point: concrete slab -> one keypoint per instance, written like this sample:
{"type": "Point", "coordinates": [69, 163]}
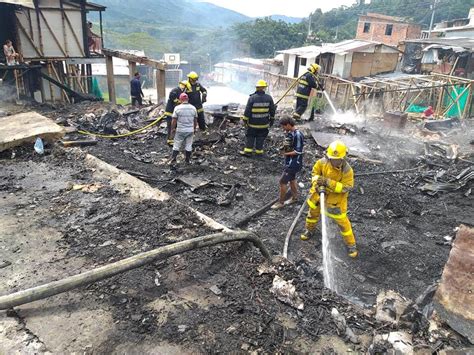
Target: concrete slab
{"type": "Point", "coordinates": [26, 127]}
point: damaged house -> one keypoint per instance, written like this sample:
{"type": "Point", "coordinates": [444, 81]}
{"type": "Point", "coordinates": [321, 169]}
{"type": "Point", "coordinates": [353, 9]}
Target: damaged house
{"type": "Point", "coordinates": [350, 59]}
{"type": "Point", "coordinates": [450, 56]}
{"type": "Point", "coordinates": [56, 44]}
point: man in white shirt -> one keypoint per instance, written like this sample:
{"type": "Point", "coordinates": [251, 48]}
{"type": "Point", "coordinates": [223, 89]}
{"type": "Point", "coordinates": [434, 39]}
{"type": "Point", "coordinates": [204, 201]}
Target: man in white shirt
{"type": "Point", "coordinates": [183, 125]}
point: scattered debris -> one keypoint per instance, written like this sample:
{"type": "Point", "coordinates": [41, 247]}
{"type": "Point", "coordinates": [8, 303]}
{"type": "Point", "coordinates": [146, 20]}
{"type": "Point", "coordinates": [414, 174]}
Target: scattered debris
{"type": "Point", "coordinates": [400, 342]}
{"type": "Point", "coordinates": [390, 306]}
{"type": "Point", "coordinates": [342, 327]}
{"type": "Point", "coordinates": [91, 188]}
{"type": "Point", "coordinates": [285, 291]}
{"type": "Point", "coordinates": [215, 290]}
{"type": "Point", "coordinates": [4, 264]}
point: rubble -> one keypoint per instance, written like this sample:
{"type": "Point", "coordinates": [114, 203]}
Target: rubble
{"type": "Point", "coordinates": [390, 307]}
{"type": "Point", "coordinates": [285, 291]}
{"type": "Point", "coordinates": [188, 300]}
{"type": "Point", "coordinates": [400, 342]}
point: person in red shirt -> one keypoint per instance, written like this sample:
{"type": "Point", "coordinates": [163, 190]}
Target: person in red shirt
{"type": "Point", "coordinates": [428, 113]}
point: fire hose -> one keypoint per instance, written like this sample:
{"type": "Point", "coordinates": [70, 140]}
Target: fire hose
{"type": "Point", "coordinates": [103, 272]}
{"type": "Point", "coordinates": [289, 89]}
{"type": "Point", "coordinates": [124, 134]}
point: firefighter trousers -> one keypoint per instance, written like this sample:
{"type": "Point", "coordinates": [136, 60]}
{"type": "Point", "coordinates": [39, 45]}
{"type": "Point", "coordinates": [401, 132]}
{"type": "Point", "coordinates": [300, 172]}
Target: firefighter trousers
{"type": "Point", "coordinates": [301, 106]}
{"type": "Point", "coordinates": [201, 119]}
{"type": "Point", "coordinates": [255, 137]}
{"type": "Point", "coordinates": [335, 213]}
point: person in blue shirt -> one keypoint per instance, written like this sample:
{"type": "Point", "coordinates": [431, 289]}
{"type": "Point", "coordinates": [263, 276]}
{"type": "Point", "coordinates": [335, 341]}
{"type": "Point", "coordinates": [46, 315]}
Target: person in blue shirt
{"type": "Point", "coordinates": [136, 90]}
{"type": "Point", "coordinates": [293, 153]}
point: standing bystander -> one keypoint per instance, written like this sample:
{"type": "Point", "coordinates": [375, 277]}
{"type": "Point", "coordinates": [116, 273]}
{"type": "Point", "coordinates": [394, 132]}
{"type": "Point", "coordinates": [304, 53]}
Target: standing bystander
{"type": "Point", "coordinates": [136, 90]}
{"type": "Point", "coordinates": [183, 127]}
{"type": "Point", "coordinates": [293, 153]}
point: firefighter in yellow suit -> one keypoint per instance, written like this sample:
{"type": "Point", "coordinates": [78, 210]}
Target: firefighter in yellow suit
{"type": "Point", "coordinates": [333, 174]}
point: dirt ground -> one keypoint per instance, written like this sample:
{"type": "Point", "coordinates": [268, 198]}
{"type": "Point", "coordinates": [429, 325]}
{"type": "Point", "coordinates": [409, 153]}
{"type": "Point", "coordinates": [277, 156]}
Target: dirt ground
{"type": "Point", "coordinates": [215, 299]}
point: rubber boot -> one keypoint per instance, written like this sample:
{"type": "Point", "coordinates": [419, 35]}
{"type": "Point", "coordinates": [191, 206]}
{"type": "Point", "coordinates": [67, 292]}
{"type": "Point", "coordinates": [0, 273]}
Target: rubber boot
{"type": "Point", "coordinates": [174, 155]}
{"type": "Point", "coordinates": [352, 251]}
{"type": "Point", "coordinates": [188, 157]}
{"type": "Point", "coordinates": [307, 234]}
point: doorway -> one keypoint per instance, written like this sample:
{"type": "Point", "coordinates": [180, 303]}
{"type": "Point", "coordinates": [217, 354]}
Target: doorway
{"type": "Point", "coordinates": [7, 28]}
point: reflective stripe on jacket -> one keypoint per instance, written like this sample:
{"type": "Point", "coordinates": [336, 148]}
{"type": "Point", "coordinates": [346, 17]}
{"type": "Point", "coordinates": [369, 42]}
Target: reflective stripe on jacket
{"type": "Point", "coordinates": [173, 100]}
{"type": "Point", "coordinates": [195, 93]}
{"type": "Point", "coordinates": [305, 84]}
{"type": "Point", "coordinates": [260, 110]}
{"type": "Point", "coordinates": [341, 181]}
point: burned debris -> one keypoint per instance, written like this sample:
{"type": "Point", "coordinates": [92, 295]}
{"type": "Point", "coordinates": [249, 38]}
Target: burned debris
{"type": "Point", "coordinates": [118, 245]}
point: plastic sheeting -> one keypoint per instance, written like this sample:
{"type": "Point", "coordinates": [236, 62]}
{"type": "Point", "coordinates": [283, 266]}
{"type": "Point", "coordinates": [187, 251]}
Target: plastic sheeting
{"type": "Point", "coordinates": [458, 108]}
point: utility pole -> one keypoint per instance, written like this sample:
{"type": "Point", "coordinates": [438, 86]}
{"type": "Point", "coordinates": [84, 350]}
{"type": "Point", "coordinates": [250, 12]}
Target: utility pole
{"type": "Point", "coordinates": [433, 7]}
{"type": "Point", "coordinates": [309, 26]}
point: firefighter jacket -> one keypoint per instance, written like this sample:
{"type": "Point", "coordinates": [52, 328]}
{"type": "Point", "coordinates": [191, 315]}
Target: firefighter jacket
{"type": "Point", "coordinates": [260, 110]}
{"type": "Point", "coordinates": [173, 100]}
{"type": "Point", "coordinates": [197, 94]}
{"type": "Point", "coordinates": [307, 82]}
{"type": "Point", "coordinates": [340, 182]}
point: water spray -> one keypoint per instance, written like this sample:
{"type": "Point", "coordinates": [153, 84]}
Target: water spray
{"type": "Point", "coordinates": [330, 102]}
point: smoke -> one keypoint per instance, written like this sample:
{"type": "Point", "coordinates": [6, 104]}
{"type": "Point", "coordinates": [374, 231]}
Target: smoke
{"type": "Point", "coordinates": [7, 92]}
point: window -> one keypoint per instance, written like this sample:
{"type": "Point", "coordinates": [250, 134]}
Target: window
{"type": "Point", "coordinates": [303, 61]}
{"type": "Point", "coordinates": [388, 30]}
{"type": "Point", "coordinates": [366, 27]}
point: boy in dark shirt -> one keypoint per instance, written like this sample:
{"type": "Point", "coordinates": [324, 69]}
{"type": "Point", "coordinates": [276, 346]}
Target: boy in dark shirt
{"type": "Point", "coordinates": [293, 153]}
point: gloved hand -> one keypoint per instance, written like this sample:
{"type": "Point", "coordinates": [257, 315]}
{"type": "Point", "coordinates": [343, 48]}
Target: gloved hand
{"type": "Point", "coordinates": [322, 181]}
{"type": "Point", "coordinates": [320, 86]}
{"type": "Point", "coordinates": [204, 99]}
{"type": "Point", "coordinates": [272, 121]}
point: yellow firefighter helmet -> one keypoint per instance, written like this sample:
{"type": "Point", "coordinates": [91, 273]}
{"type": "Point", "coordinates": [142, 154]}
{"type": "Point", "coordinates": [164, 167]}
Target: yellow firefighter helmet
{"type": "Point", "coordinates": [193, 75]}
{"type": "Point", "coordinates": [314, 68]}
{"type": "Point", "coordinates": [261, 84]}
{"type": "Point", "coordinates": [336, 150]}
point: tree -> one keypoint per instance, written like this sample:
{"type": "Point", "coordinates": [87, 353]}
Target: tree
{"type": "Point", "coordinates": [266, 36]}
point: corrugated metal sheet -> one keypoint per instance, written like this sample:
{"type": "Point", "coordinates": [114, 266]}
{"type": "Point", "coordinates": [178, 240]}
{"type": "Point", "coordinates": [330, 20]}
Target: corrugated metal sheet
{"type": "Point", "coordinates": [341, 48]}
{"type": "Point", "coordinates": [464, 42]}
{"type": "Point", "coordinates": [301, 50]}
{"type": "Point", "coordinates": [25, 3]}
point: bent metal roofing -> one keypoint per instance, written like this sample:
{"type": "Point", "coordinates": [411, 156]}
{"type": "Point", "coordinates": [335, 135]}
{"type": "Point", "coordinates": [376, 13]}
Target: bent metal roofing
{"type": "Point", "coordinates": [341, 48]}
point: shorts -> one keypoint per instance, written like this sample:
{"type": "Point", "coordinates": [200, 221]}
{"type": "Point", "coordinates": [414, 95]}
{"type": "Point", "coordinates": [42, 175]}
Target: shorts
{"type": "Point", "coordinates": [289, 174]}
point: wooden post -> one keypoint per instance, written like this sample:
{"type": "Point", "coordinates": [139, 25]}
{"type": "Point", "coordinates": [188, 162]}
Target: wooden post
{"type": "Point", "coordinates": [51, 93]}
{"type": "Point", "coordinates": [132, 68]}
{"type": "Point", "coordinates": [160, 86]}
{"type": "Point", "coordinates": [110, 79]}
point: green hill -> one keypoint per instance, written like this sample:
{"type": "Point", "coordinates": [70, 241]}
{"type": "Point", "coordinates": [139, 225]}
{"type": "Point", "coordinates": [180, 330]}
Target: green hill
{"type": "Point", "coordinates": [176, 13]}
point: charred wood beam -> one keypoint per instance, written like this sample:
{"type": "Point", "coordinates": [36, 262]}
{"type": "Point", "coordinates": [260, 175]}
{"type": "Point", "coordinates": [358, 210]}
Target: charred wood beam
{"type": "Point", "coordinates": [74, 94]}
{"type": "Point", "coordinates": [135, 58]}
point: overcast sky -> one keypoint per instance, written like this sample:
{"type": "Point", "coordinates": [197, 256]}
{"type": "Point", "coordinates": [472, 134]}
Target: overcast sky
{"type": "Point", "coordinates": [295, 8]}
